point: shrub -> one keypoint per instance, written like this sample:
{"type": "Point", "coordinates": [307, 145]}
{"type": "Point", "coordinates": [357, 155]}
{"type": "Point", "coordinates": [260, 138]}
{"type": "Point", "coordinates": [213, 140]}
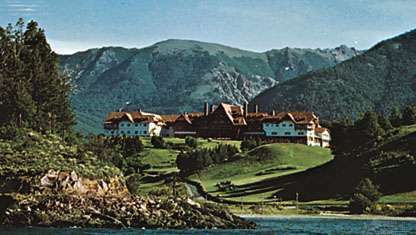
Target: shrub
{"type": "Point", "coordinates": [158, 142]}
{"type": "Point", "coordinates": [132, 146]}
{"type": "Point", "coordinates": [364, 198]}
{"type": "Point", "coordinates": [409, 115]}
{"type": "Point", "coordinates": [191, 141]}
{"type": "Point", "coordinates": [198, 159]}
{"type": "Point", "coordinates": [248, 144]}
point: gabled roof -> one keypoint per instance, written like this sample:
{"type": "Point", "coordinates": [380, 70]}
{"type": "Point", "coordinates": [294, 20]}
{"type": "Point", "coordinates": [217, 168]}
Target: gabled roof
{"type": "Point", "coordinates": [321, 129]}
{"type": "Point", "coordinates": [169, 117]}
{"type": "Point", "coordinates": [296, 117]}
{"type": "Point", "coordinates": [184, 117]}
{"type": "Point", "coordinates": [234, 113]}
{"type": "Point", "coordinates": [136, 116]}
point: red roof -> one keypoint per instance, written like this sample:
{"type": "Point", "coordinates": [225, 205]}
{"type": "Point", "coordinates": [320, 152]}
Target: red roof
{"type": "Point", "coordinates": [132, 117]}
{"type": "Point", "coordinates": [296, 117]}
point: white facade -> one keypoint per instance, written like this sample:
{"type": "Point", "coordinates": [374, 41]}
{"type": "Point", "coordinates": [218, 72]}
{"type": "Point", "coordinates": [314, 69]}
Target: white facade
{"type": "Point", "coordinates": [325, 137]}
{"type": "Point", "coordinates": [284, 129]}
{"type": "Point", "coordinates": [126, 128]}
{"type": "Point", "coordinates": [287, 129]}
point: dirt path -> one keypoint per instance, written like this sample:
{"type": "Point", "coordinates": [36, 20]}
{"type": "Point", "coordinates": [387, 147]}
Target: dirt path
{"type": "Point", "coordinates": [193, 192]}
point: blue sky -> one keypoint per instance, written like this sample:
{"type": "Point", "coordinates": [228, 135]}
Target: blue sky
{"type": "Point", "coordinates": [259, 25]}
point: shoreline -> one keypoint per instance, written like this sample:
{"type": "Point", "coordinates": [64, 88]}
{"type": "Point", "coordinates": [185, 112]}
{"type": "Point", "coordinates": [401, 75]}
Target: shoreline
{"type": "Point", "coordinates": [329, 216]}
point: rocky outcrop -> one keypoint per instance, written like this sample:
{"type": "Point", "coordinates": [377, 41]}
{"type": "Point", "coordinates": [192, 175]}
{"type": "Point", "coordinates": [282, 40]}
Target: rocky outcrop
{"type": "Point", "coordinates": [71, 183]}
{"type": "Point", "coordinates": [63, 199]}
{"type": "Point", "coordinates": [129, 211]}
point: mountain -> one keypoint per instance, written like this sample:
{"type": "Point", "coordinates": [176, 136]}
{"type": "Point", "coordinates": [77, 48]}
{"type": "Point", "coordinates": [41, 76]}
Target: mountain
{"type": "Point", "coordinates": [175, 76]}
{"type": "Point", "coordinates": [380, 79]}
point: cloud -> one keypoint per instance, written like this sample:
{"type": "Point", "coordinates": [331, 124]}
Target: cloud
{"type": "Point", "coordinates": [14, 7]}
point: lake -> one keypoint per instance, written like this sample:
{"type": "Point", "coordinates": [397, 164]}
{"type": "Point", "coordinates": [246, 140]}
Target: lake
{"type": "Point", "coordinates": [266, 225]}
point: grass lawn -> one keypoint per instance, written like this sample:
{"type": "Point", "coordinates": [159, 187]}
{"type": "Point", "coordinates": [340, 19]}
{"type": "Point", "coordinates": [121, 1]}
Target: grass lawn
{"type": "Point", "coordinates": [147, 185]}
{"type": "Point", "coordinates": [409, 197]}
{"type": "Point", "coordinates": [160, 159]}
{"type": "Point", "coordinates": [164, 160]}
{"type": "Point", "coordinates": [264, 162]}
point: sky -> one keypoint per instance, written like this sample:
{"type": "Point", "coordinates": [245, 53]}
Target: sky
{"type": "Point", "coordinates": [258, 25]}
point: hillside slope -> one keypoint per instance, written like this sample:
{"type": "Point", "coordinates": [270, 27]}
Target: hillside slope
{"type": "Point", "coordinates": [260, 164]}
{"type": "Point", "coordinates": [379, 79]}
{"type": "Point", "coordinates": [391, 163]}
{"type": "Point", "coordinates": [180, 75]}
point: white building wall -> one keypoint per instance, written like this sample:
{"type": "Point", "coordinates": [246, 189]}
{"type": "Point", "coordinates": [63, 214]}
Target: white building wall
{"type": "Point", "coordinates": [287, 129]}
{"type": "Point", "coordinates": [126, 128]}
{"type": "Point", "coordinates": [283, 129]}
{"type": "Point", "coordinates": [326, 138]}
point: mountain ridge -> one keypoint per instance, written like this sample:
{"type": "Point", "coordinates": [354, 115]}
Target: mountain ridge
{"type": "Point", "coordinates": [381, 79]}
{"type": "Point", "coordinates": [174, 76]}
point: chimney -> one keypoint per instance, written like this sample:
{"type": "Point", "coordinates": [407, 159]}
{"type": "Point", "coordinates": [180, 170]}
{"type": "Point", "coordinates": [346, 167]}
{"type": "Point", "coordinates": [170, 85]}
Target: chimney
{"type": "Point", "coordinates": [246, 109]}
{"type": "Point", "coordinates": [256, 108]}
{"type": "Point", "coordinates": [273, 113]}
{"type": "Point", "coordinates": [206, 109]}
{"type": "Point", "coordinates": [212, 108]}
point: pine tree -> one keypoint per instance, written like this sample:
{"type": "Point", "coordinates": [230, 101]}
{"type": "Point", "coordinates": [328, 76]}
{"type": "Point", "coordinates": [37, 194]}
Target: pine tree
{"type": "Point", "coordinates": [32, 91]}
{"type": "Point", "coordinates": [409, 115]}
{"type": "Point", "coordinates": [396, 117]}
{"type": "Point", "coordinates": [369, 126]}
{"type": "Point", "coordinates": [384, 122]}
{"type": "Point", "coordinates": [365, 197]}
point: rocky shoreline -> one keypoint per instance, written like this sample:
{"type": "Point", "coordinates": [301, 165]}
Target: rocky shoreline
{"type": "Point", "coordinates": [62, 199]}
{"type": "Point", "coordinates": [120, 212]}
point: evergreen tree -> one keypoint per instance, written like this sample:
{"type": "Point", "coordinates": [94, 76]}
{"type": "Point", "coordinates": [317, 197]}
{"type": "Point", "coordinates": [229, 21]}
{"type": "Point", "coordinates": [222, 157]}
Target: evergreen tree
{"type": "Point", "coordinates": [32, 91]}
{"type": "Point", "coordinates": [384, 122]}
{"type": "Point", "coordinates": [369, 127]}
{"type": "Point", "coordinates": [396, 117]}
{"type": "Point", "coordinates": [409, 115]}
{"type": "Point", "coordinates": [365, 197]}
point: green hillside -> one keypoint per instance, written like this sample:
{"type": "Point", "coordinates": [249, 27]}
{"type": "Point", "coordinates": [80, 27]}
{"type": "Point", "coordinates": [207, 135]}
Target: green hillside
{"type": "Point", "coordinates": [380, 79]}
{"type": "Point", "coordinates": [391, 163]}
{"type": "Point", "coordinates": [262, 163]}
{"type": "Point", "coordinates": [175, 76]}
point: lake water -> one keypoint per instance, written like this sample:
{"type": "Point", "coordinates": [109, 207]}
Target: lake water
{"type": "Point", "coordinates": [275, 225]}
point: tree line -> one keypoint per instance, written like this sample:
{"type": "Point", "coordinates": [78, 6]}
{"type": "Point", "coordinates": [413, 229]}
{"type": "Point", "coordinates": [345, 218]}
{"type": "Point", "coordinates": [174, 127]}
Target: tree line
{"type": "Point", "coordinates": [198, 159]}
{"type": "Point", "coordinates": [33, 92]}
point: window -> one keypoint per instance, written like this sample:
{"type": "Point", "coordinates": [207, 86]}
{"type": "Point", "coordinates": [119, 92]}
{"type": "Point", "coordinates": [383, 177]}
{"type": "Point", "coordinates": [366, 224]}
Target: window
{"type": "Point", "coordinates": [112, 132]}
{"type": "Point", "coordinates": [283, 125]}
{"type": "Point", "coordinates": [136, 132]}
{"type": "Point", "coordinates": [274, 133]}
{"type": "Point", "coordinates": [144, 132]}
{"type": "Point", "coordinates": [122, 124]}
{"type": "Point", "coordinates": [122, 132]}
{"type": "Point", "coordinates": [128, 132]}
{"type": "Point", "coordinates": [287, 133]}
{"type": "Point", "coordinates": [290, 124]}
{"type": "Point", "coordinates": [128, 124]}
{"type": "Point", "coordinates": [266, 124]}
{"type": "Point", "coordinates": [301, 133]}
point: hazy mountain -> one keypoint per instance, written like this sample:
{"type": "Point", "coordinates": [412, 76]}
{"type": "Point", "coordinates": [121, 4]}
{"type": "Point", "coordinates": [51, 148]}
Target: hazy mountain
{"type": "Point", "coordinates": [180, 75]}
{"type": "Point", "coordinates": [379, 79]}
